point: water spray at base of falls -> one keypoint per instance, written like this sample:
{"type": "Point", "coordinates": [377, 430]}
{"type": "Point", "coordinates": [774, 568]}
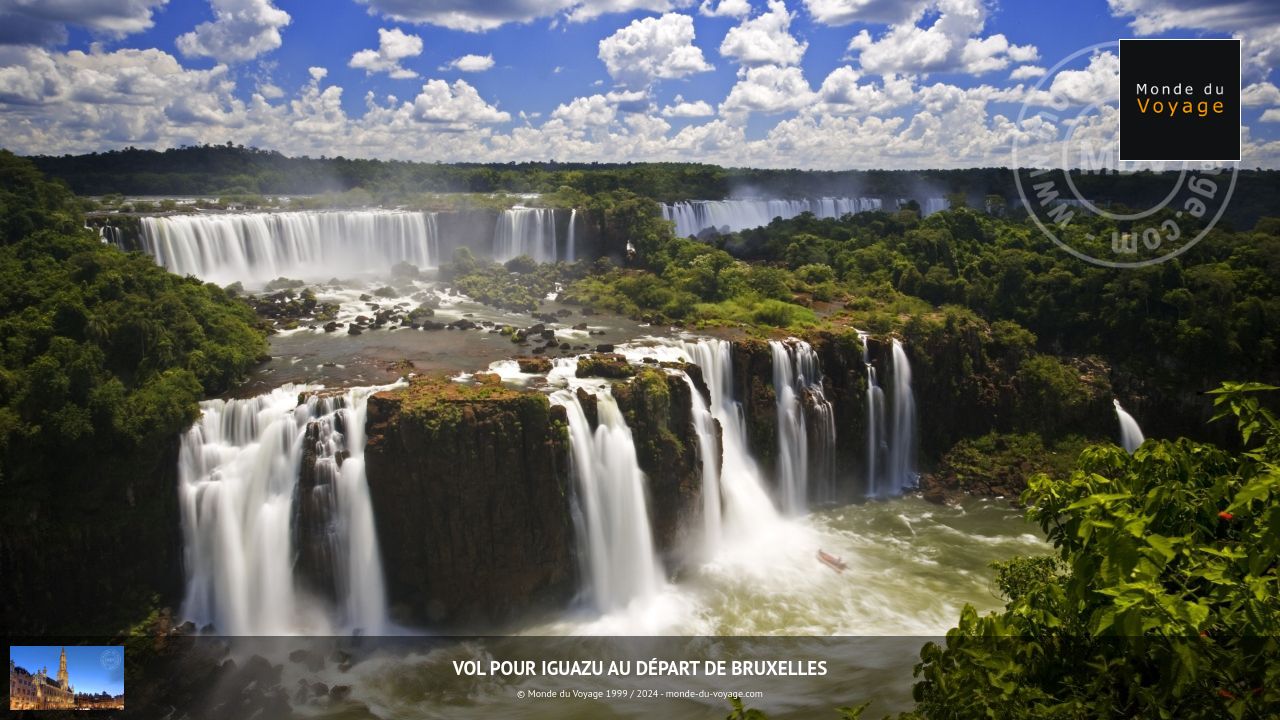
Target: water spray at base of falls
{"type": "Point", "coordinates": [616, 536]}
{"type": "Point", "coordinates": [240, 497]}
{"type": "Point", "coordinates": [1131, 436]}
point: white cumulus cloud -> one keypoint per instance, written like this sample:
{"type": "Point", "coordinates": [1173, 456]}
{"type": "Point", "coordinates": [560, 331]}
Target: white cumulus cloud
{"type": "Point", "coordinates": [767, 89]}
{"type": "Point", "coordinates": [470, 63]}
{"type": "Point", "coordinates": [651, 49]}
{"type": "Point", "coordinates": [725, 8]}
{"type": "Point", "coordinates": [458, 105]}
{"type": "Point", "coordinates": [394, 45]}
{"type": "Point", "coordinates": [482, 15]}
{"type": "Point", "coordinates": [1256, 22]}
{"type": "Point", "coordinates": [24, 22]}
{"type": "Point", "coordinates": [682, 108]}
{"type": "Point", "coordinates": [1257, 94]}
{"type": "Point", "coordinates": [952, 43]}
{"type": "Point", "coordinates": [844, 12]}
{"type": "Point", "coordinates": [241, 30]}
{"type": "Point", "coordinates": [765, 39]}
{"type": "Point", "coordinates": [1026, 72]}
{"type": "Point", "coordinates": [595, 110]}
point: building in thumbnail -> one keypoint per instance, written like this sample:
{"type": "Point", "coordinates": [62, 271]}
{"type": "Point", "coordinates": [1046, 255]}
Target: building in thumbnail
{"type": "Point", "coordinates": [39, 691]}
{"type": "Point", "coordinates": [99, 701]}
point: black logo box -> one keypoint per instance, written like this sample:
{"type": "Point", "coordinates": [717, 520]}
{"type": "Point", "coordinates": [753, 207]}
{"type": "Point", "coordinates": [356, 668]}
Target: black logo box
{"type": "Point", "coordinates": [1180, 64]}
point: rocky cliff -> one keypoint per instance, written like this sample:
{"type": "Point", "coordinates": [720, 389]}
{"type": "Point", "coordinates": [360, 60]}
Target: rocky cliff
{"type": "Point", "coordinates": [753, 387]}
{"type": "Point", "coordinates": [470, 488]}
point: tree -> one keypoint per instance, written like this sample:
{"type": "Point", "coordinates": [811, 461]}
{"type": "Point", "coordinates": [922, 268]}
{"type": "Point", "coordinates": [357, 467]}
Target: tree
{"type": "Point", "coordinates": [1162, 601]}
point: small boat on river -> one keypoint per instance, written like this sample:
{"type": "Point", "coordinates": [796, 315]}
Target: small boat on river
{"type": "Point", "coordinates": [832, 561]}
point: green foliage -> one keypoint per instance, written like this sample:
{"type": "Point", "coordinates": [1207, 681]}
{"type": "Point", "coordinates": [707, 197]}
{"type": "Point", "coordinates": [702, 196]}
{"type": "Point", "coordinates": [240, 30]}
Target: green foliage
{"type": "Point", "coordinates": [29, 203]}
{"type": "Point", "coordinates": [1211, 314]}
{"type": "Point", "coordinates": [1163, 600]}
{"type": "Point", "coordinates": [781, 314]}
{"type": "Point", "coordinates": [1001, 463]}
{"type": "Point", "coordinates": [521, 264]}
{"type": "Point", "coordinates": [687, 280]}
{"type": "Point", "coordinates": [518, 286]}
{"type": "Point", "coordinates": [626, 219]}
{"type": "Point", "coordinates": [464, 263]}
{"type": "Point", "coordinates": [1051, 393]}
{"type": "Point", "coordinates": [281, 283]}
{"type": "Point", "coordinates": [103, 352]}
{"type": "Point", "coordinates": [1019, 577]}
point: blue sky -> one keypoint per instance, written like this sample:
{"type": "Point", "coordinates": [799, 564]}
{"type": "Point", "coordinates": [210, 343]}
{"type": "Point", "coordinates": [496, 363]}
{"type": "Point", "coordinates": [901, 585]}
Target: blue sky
{"type": "Point", "coordinates": [797, 83]}
{"type": "Point", "coordinates": [85, 667]}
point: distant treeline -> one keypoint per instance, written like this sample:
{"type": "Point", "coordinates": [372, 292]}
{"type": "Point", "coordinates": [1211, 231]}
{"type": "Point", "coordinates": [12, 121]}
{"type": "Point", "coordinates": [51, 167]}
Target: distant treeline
{"type": "Point", "coordinates": [218, 170]}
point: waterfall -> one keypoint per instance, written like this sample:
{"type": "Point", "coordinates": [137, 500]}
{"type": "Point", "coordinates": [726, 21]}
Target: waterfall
{"type": "Point", "coordinates": [933, 205]}
{"type": "Point", "coordinates": [822, 433]}
{"type": "Point", "coordinates": [704, 425]}
{"type": "Point", "coordinates": [746, 504]}
{"type": "Point", "coordinates": [875, 420]}
{"type": "Point", "coordinates": [902, 448]}
{"type": "Point", "coordinates": [111, 235]}
{"type": "Point", "coordinates": [617, 539]}
{"type": "Point", "coordinates": [797, 380]}
{"type": "Point", "coordinates": [891, 447]}
{"type": "Point", "coordinates": [694, 216]}
{"type": "Point", "coordinates": [256, 247]}
{"type": "Point", "coordinates": [571, 247]}
{"type": "Point", "coordinates": [1130, 433]}
{"type": "Point", "coordinates": [238, 487]}
{"type": "Point", "coordinates": [525, 231]}
{"type": "Point", "coordinates": [793, 451]}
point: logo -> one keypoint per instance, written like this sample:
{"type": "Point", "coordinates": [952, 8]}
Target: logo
{"type": "Point", "coordinates": [112, 658]}
{"type": "Point", "coordinates": [1180, 100]}
{"type": "Point", "coordinates": [1101, 209]}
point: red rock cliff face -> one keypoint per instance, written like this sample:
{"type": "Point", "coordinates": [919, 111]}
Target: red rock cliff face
{"type": "Point", "coordinates": [470, 488]}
